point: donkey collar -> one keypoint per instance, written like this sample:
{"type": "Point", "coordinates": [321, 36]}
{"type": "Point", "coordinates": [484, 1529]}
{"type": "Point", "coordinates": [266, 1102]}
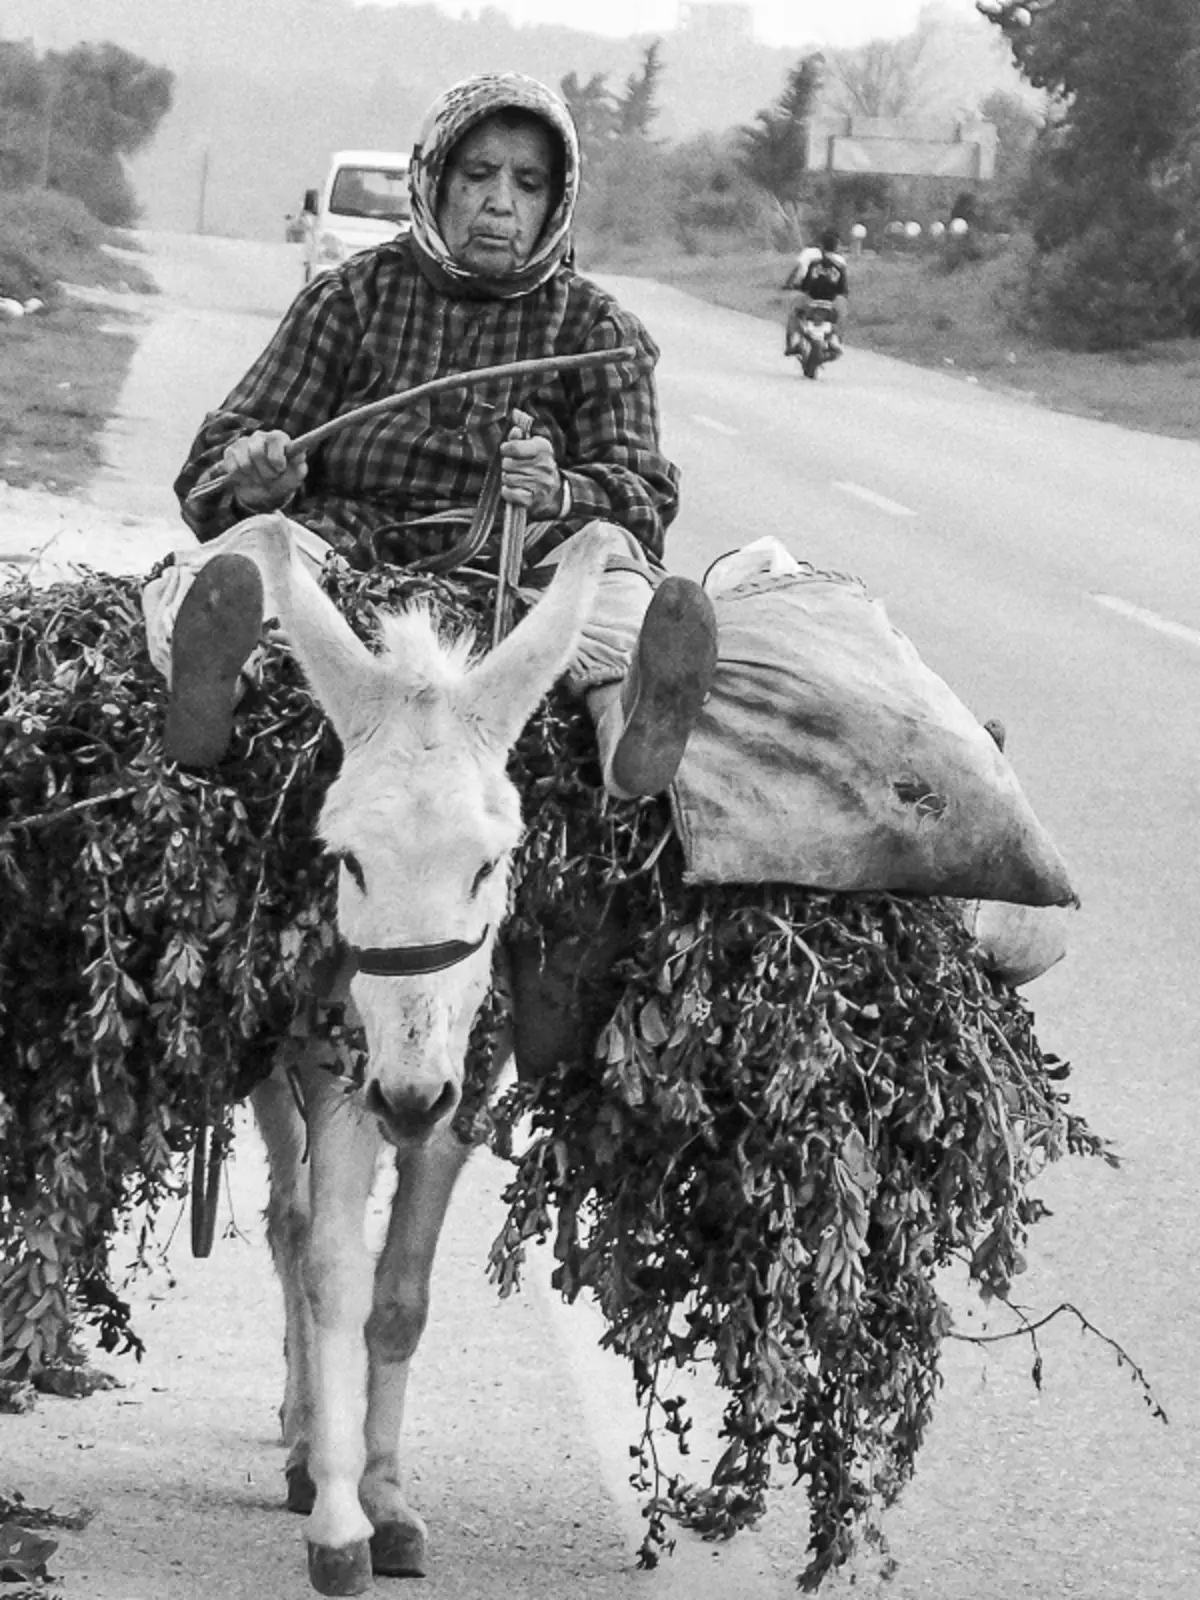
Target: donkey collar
{"type": "Point", "coordinates": [411, 960]}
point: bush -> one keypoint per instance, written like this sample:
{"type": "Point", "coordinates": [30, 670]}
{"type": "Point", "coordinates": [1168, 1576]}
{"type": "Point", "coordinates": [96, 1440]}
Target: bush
{"type": "Point", "coordinates": [1109, 288]}
{"type": "Point", "coordinates": [47, 237]}
{"type": "Point", "coordinates": [959, 250]}
{"type": "Point", "coordinates": [625, 197]}
{"type": "Point", "coordinates": [641, 194]}
{"type": "Point", "coordinates": [98, 179]}
{"type": "Point", "coordinates": [709, 193]}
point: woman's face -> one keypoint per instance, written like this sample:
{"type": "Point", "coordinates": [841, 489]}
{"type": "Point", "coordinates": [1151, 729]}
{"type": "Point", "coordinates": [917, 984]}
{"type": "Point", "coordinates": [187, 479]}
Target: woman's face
{"type": "Point", "coordinates": [496, 195]}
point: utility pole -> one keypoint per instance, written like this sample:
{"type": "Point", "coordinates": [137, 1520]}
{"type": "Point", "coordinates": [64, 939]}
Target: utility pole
{"type": "Point", "coordinates": [52, 81]}
{"type": "Point", "coordinates": [203, 189]}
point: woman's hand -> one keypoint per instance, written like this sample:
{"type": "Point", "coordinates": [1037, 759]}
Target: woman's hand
{"type": "Point", "coordinates": [529, 476]}
{"type": "Point", "coordinates": [260, 474]}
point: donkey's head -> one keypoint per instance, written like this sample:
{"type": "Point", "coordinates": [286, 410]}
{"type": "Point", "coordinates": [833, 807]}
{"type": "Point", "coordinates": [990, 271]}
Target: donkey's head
{"type": "Point", "coordinates": [422, 814]}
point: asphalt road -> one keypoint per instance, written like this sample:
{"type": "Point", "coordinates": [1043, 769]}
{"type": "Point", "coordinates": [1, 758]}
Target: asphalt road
{"type": "Point", "coordinates": [1048, 567]}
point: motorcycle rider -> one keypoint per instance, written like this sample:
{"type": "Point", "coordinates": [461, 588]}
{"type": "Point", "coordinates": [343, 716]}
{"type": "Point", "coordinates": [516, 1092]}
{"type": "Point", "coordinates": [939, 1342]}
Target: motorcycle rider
{"type": "Point", "coordinates": [818, 275]}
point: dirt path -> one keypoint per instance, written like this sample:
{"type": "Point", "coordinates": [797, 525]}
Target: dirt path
{"type": "Point", "coordinates": [215, 309]}
{"type": "Point", "coordinates": [183, 1472]}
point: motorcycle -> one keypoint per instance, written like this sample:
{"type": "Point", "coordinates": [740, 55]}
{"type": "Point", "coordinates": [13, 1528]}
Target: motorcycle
{"type": "Point", "coordinates": [815, 337]}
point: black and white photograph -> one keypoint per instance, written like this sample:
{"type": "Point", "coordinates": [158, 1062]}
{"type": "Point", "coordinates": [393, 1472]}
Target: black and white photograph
{"type": "Point", "coordinates": [599, 799]}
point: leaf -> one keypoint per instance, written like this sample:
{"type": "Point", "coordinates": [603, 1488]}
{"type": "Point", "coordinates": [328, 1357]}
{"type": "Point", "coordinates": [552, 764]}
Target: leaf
{"type": "Point", "coordinates": [23, 1554]}
{"type": "Point", "coordinates": [651, 1025]}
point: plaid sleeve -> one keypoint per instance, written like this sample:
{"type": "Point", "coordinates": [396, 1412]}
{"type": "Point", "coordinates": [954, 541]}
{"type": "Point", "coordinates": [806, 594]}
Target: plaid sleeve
{"type": "Point", "coordinates": [613, 461]}
{"type": "Point", "coordinates": [295, 385]}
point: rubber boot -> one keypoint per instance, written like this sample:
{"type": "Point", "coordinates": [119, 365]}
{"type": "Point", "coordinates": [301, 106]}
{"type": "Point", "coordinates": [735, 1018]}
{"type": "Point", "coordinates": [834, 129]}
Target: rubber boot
{"type": "Point", "coordinates": [665, 688]}
{"type": "Point", "coordinates": [218, 625]}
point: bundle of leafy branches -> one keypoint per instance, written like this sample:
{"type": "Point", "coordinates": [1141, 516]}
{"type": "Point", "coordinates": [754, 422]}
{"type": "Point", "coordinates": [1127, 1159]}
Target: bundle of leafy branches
{"type": "Point", "coordinates": [784, 1113]}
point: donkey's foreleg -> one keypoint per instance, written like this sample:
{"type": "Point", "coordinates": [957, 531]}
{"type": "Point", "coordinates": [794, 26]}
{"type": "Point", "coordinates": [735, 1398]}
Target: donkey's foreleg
{"type": "Point", "coordinates": [338, 1276]}
{"type": "Point", "coordinates": [425, 1182]}
{"type": "Point", "coordinates": [281, 1125]}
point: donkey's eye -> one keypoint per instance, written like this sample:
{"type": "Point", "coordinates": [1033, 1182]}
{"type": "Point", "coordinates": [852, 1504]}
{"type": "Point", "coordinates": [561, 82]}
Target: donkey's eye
{"type": "Point", "coordinates": [484, 873]}
{"type": "Point", "coordinates": [351, 863]}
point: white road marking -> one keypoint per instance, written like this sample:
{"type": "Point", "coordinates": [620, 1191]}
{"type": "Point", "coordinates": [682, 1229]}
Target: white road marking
{"type": "Point", "coordinates": [1148, 619]}
{"type": "Point", "coordinates": [880, 502]}
{"type": "Point", "coordinates": [717, 427]}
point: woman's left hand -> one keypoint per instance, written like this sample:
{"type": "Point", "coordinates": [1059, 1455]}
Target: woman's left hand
{"type": "Point", "coordinates": [529, 476]}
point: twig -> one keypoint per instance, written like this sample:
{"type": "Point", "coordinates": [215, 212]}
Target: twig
{"type": "Point", "coordinates": [252, 923]}
{"type": "Point", "coordinates": [42, 819]}
{"type": "Point", "coordinates": [1029, 1330]}
{"type": "Point", "coordinates": [543, 365]}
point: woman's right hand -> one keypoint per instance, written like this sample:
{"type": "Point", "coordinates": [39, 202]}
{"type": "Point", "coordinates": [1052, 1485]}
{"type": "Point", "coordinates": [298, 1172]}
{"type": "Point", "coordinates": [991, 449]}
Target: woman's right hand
{"type": "Point", "coordinates": [260, 473]}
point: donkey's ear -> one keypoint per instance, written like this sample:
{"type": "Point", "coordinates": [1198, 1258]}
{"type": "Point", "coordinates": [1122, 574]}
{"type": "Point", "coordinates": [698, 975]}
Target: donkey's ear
{"type": "Point", "coordinates": [341, 671]}
{"type": "Point", "coordinates": [507, 686]}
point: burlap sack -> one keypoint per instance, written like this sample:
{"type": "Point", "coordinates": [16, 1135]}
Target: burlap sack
{"type": "Point", "coordinates": [1017, 943]}
{"type": "Point", "coordinates": [829, 755]}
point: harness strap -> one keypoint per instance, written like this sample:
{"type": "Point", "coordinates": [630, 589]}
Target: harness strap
{"type": "Point", "coordinates": [410, 961]}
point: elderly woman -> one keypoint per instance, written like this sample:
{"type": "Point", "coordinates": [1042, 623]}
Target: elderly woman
{"type": "Point", "coordinates": [483, 278]}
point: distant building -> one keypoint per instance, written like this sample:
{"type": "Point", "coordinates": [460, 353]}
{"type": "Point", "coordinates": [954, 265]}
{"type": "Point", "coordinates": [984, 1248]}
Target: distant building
{"type": "Point", "coordinates": [901, 148]}
{"type": "Point", "coordinates": [717, 21]}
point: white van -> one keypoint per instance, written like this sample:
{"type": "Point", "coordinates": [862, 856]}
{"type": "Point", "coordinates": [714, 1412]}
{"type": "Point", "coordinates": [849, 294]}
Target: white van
{"type": "Point", "coordinates": [363, 202]}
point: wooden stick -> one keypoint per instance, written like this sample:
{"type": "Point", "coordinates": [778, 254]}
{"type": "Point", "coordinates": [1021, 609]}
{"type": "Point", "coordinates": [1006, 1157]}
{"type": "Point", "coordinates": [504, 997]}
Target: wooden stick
{"type": "Point", "coordinates": [455, 380]}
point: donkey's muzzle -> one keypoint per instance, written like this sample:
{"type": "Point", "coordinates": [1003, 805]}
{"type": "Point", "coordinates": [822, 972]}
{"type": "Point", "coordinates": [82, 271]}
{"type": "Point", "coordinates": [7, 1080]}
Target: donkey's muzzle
{"type": "Point", "coordinates": [408, 1116]}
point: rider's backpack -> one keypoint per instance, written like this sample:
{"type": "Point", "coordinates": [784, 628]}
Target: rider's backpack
{"type": "Point", "coordinates": [823, 280]}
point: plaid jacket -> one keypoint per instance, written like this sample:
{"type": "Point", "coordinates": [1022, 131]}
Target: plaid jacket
{"type": "Point", "coordinates": [375, 327]}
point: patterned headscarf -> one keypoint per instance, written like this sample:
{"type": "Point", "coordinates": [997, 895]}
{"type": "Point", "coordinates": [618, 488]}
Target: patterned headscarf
{"type": "Point", "coordinates": [449, 117]}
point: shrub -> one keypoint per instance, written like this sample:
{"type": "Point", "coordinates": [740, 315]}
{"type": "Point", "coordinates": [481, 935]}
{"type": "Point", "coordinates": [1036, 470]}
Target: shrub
{"type": "Point", "coordinates": [625, 198]}
{"type": "Point", "coordinates": [47, 237]}
{"type": "Point", "coordinates": [1111, 287]}
{"type": "Point", "coordinates": [97, 179]}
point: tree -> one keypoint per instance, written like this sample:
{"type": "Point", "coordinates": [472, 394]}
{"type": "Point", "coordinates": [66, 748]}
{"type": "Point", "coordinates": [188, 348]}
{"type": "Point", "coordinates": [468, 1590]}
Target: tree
{"type": "Point", "coordinates": [1113, 183]}
{"type": "Point", "coordinates": [109, 99]}
{"type": "Point", "coordinates": [69, 118]}
{"type": "Point", "coordinates": [882, 77]}
{"type": "Point", "coordinates": [1016, 134]}
{"type": "Point", "coordinates": [595, 110]}
{"type": "Point", "coordinates": [23, 97]}
{"type": "Point", "coordinates": [603, 117]}
{"type": "Point", "coordinates": [636, 109]}
{"type": "Point", "coordinates": [773, 150]}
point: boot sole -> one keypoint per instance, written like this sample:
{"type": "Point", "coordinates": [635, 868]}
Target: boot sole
{"type": "Point", "coordinates": [218, 625]}
{"type": "Point", "coordinates": [669, 681]}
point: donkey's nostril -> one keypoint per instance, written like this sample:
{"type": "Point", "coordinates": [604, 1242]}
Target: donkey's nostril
{"type": "Point", "coordinates": [409, 1113]}
{"type": "Point", "coordinates": [445, 1102]}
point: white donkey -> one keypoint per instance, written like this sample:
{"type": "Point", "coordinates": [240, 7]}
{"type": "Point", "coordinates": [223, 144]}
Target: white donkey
{"type": "Point", "coordinates": [423, 817]}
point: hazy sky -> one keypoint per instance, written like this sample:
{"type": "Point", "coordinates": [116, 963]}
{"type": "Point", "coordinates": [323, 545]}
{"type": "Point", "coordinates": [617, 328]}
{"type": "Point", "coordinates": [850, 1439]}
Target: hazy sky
{"type": "Point", "coordinates": [776, 22]}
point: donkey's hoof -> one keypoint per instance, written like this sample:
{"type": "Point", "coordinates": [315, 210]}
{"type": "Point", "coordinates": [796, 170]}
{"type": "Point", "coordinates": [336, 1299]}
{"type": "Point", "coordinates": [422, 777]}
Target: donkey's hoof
{"type": "Point", "coordinates": [343, 1571]}
{"type": "Point", "coordinates": [301, 1490]}
{"type": "Point", "coordinates": [398, 1550]}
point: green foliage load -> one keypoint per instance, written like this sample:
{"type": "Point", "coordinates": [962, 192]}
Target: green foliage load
{"type": "Point", "coordinates": [159, 931]}
{"type": "Point", "coordinates": [786, 1111]}
{"type": "Point", "coordinates": [797, 1109]}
